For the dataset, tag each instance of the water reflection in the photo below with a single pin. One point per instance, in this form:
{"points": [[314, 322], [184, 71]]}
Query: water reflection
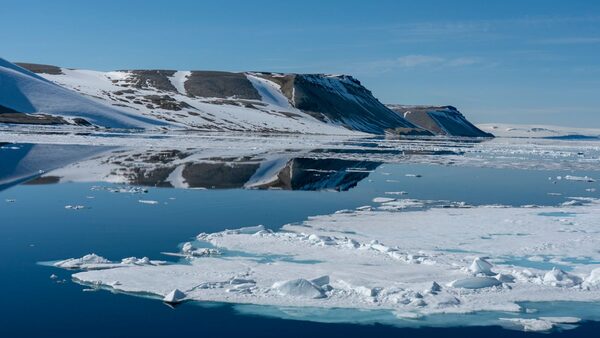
{"points": [[176, 168]]}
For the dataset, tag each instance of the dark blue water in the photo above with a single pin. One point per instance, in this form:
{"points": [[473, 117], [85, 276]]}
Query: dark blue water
{"points": [[37, 227]]}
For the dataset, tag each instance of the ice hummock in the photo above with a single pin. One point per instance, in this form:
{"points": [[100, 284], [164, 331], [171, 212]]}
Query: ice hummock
{"points": [[173, 297]]}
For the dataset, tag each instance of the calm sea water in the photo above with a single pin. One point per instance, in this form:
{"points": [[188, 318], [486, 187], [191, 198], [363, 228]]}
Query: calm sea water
{"points": [[35, 227]]}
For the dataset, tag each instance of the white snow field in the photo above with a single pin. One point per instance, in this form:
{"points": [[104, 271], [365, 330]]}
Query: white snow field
{"points": [[537, 130], [26, 92], [404, 263]]}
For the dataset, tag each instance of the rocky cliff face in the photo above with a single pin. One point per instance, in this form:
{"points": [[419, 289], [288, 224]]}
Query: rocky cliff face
{"points": [[213, 101], [439, 120]]}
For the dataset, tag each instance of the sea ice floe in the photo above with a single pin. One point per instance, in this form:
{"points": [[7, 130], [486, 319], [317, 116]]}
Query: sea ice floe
{"points": [[542, 323], [396, 193], [148, 201], [121, 189], [383, 199], [95, 262], [428, 261], [189, 250], [74, 207], [579, 178], [82, 263]]}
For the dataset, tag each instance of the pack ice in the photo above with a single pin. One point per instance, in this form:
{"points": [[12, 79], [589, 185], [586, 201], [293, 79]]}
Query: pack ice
{"points": [[411, 264]]}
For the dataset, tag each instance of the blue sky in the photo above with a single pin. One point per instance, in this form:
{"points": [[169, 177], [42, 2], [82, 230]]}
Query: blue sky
{"points": [[497, 61]]}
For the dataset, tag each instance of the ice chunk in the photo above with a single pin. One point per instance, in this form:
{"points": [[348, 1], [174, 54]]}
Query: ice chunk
{"points": [[580, 178], [475, 283], [320, 281], [174, 297], [396, 193], [136, 261], [433, 288], [152, 202], [383, 199], [562, 320], [239, 280], [541, 323], [247, 230], [594, 277], [481, 266], [299, 288], [505, 278], [531, 324], [79, 263], [557, 277], [188, 249], [74, 207]]}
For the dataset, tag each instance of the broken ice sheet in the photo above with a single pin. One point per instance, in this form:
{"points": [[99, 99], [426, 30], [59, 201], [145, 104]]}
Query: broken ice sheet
{"points": [[410, 265]]}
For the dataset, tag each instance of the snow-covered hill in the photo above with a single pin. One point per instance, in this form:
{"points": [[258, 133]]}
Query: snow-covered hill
{"points": [[540, 131], [23, 92], [227, 101], [440, 120]]}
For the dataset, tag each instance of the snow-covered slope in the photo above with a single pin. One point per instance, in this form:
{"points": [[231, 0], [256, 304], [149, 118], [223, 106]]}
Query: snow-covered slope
{"points": [[444, 120], [227, 101], [540, 131], [22, 91]]}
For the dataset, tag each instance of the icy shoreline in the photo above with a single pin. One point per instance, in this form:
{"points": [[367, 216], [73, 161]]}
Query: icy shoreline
{"points": [[451, 260]]}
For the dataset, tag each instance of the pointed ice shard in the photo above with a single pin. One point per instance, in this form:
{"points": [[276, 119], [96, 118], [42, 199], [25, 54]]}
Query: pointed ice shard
{"points": [[174, 297]]}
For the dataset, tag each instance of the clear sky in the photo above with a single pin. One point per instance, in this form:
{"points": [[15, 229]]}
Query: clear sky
{"points": [[497, 61]]}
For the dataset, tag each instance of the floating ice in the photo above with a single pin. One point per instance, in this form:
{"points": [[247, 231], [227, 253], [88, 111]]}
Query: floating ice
{"points": [[387, 260], [542, 323], [84, 262], [580, 178], [174, 297], [148, 201], [95, 262], [74, 207], [188, 249], [383, 199]]}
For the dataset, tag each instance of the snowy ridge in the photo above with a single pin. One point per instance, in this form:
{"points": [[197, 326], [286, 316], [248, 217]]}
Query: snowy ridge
{"points": [[540, 131]]}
